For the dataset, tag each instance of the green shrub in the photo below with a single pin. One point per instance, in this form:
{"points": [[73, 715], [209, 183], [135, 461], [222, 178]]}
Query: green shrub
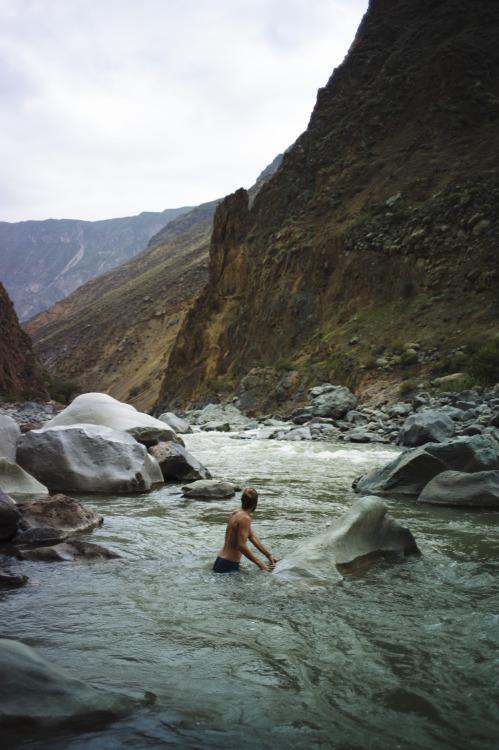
{"points": [[200, 360], [408, 358], [283, 364], [407, 386], [478, 358], [134, 391], [62, 391], [370, 363]]}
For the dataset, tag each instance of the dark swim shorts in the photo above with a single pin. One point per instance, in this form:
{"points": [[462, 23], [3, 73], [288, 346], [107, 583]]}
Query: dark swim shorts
{"points": [[225, 566]]}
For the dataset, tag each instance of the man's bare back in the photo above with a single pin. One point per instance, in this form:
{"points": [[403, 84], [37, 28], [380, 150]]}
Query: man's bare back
{"points": [[239, 532]]}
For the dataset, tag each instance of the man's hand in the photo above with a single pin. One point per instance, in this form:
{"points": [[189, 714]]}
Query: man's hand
{"points": [[274, 560], [268, 568]]}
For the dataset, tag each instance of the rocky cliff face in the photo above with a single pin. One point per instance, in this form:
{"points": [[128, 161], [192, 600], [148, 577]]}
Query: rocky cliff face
{"points": [[44, 261], [20, 374], [380, 226]]}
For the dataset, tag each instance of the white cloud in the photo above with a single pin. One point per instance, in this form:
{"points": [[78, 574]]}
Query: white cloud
{"points": [[111, 107]]}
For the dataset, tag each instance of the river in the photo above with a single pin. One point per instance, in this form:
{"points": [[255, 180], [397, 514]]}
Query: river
{"points": [[400, 655]]}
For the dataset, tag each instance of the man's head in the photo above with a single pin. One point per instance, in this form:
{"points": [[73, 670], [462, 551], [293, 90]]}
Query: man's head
{"points": [[249, 499]]}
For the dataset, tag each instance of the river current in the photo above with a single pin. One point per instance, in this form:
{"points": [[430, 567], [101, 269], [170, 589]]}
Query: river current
{"points": [[400, 655]]}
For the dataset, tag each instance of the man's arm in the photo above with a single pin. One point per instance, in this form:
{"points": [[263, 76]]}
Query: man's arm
{"points": [[255, 540], [245, 533]]}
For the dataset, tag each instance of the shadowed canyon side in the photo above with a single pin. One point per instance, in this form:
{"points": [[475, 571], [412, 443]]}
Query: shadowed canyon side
{"points": [[20, 374], [381, 225]]}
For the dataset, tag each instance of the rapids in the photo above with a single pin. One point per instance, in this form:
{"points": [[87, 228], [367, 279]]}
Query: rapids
{"points": [[399, 655]]}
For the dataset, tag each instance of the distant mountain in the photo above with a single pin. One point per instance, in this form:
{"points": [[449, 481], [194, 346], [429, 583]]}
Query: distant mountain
{"points": [[372, 253], [115, 333], [42, 262]]}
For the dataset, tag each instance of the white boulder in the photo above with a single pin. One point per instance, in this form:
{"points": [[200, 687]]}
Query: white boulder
{"points": [[101, 409], [17, 483], [364, 530], [10, 433], [87, 458]]}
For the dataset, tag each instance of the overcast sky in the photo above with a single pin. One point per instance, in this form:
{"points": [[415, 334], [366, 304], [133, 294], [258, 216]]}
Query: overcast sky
{"points": [[113, 107]]}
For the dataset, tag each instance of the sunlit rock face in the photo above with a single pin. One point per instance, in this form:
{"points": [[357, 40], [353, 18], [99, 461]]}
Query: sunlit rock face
{"points": [[364, 530]]}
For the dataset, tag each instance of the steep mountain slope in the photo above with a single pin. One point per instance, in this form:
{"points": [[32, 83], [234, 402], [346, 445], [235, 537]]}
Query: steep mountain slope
{"points": [[44, 261], [20, 374], [114, 334], [379, 229]]}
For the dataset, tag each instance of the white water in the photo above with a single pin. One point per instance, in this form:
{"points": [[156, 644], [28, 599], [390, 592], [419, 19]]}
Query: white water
{"points": [[400, 655]]}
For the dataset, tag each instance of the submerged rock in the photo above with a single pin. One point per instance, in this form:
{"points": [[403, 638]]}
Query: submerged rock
{"points": [[73, 550], [364, 530], [101, 409], [88, 458], [209, 490], [10, 517], [478, 490], [34, 692]]}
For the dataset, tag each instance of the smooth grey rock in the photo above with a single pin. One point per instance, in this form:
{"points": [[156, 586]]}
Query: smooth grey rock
{"points": [[101, 409], [60, 514], [209, 490], [364, 530], [72, 550], [410, 472], [178, 425], [479, 490], [399, 410], [430, 426], [10, 517], [299, 433], [35, 692], [10, 432], [177, 463], [357, 418], [87, 458], [15, 481]]}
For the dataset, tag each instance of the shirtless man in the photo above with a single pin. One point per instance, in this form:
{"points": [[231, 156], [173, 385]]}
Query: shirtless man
{"points": [[237, 534]]}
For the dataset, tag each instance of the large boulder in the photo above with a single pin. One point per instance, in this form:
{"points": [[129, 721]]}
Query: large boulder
{"points": [[221, 413], [364, 530], [17, 483], [209, 490], [431, 426], [479, 490], [87, 458], [101, 409], [34, 692], [177, 464], [10, 433], [10, 517], [62, 513], [413, 469], [179, 426], [333, 401]]}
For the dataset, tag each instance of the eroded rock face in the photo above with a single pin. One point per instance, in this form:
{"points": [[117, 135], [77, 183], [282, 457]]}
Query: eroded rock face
{"points": [[35, 692], [478, 490], [62, 513], [178, 464], [87, 458], [410, 472], [364, 530], [18, 483], [9, 435], [431, 426], [101, 409]]}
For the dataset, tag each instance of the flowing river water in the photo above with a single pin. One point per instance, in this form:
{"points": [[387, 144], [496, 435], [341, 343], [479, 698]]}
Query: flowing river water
{"points": [[400, 655]]}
